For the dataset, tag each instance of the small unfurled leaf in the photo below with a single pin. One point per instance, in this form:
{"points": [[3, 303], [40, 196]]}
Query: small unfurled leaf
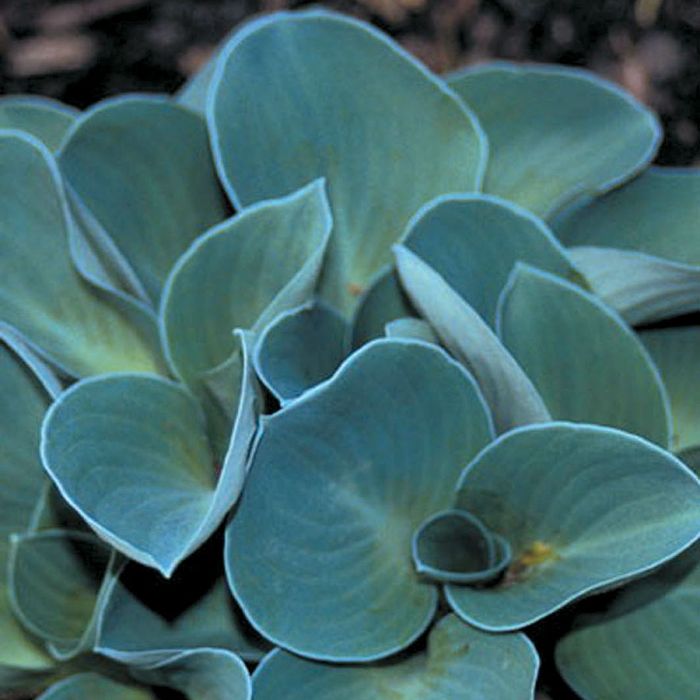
{"points": [[586, 363], [382, 302], [638, 245], [143, 168], [46, 119], [57, 584], [344, 476], [556, 133], [300, 349], [358, 110], [130, 453], [508, 391], [583, 508], [81, 329], [242, 274], [461, 663], [473, 242], [676, 352], [415, 328]]}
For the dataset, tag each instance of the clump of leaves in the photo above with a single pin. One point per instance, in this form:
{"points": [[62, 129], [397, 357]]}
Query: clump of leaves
{"points": [[369, 428]]}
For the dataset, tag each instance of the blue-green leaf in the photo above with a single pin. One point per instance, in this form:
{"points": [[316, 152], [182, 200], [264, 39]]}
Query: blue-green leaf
{"points": [[415, 328], [461, 663], [344, 475], [508, 391], [387, 134], [556, 133], [82, 330], [242, 274], [91, 685], [137, 445], [583, 507], [143, 168], [473, 242], [300, 349], [57, 584], [586, 363], [638, 246], [46, 119]]}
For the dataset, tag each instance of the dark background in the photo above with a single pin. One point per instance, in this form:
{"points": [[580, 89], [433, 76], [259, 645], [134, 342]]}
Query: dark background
{"points": [[80, 51]]}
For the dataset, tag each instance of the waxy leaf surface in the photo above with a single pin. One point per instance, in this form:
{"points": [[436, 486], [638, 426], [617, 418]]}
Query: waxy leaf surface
{"points": [[461, 663], [143, 168], [42, 295], [344, 475], [583, 507], [46, 119], [556, 133], [585, 361], [387, 134], [639, 245], [92, 685]]}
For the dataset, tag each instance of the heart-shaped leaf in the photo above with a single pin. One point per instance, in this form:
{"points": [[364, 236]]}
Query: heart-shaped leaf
{"points": [[242, 274], [92, 685], [386, 133], [649, 276], [676, 353], [344, 475], [23, 663], [508, 391], [138, 444], [143, 168], [645, 645], [82, 330], [473, 242], [46, 119], [57, 583], [461, 663], [586, 363], [583, 507], [300, 349], [382, 302], [556, 133]]}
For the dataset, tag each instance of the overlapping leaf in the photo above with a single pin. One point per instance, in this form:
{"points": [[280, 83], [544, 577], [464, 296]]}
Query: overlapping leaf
{"points": [[585, 362], [46, 119], [344, 475], [92, 685], [556, 133], [386, 134], [638, 246], [143, 169], [81, 330], [461, 663], [583, 508]]}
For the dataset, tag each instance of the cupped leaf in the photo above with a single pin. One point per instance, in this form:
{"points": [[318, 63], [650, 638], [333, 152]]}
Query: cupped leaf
{"points": [[344, 475], [131, 633], [556, 133], [638, 245], [23, 663], [473, 242], [455, 547], [92, 685], [137, 445], [201, 674], [585, 361], [460, 663], [242, 274], [583, 507], [382, 302], [386, 133], [676, 352], [507, 389], [300, 349], [79, 329], [645, 645], [143, 168], [46, 119], [415, 328], [57, 584]]}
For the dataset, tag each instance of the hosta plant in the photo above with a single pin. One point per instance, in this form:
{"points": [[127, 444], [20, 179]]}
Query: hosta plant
{"points": [[323, 379]]}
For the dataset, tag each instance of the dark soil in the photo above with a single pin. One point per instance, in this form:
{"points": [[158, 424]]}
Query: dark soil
{"points": [[80, 51]]}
